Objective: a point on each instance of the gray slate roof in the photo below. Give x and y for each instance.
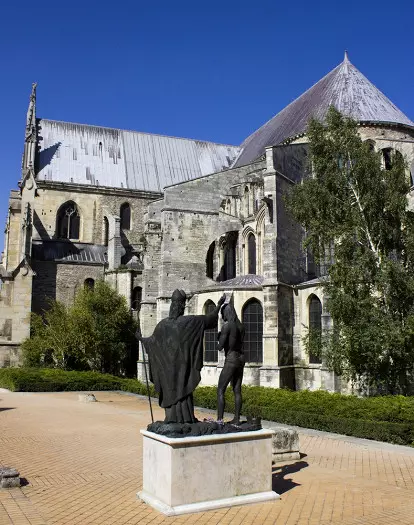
(65, 251)
(98, 156)
(346, 88)
(241, 281)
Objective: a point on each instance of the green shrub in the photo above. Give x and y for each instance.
(95, 333)
(53, 380)
(388, 418)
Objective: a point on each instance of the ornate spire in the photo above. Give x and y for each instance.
(30, 135)
(346, 59)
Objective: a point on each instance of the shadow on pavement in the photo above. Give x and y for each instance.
(279, 483)
(6, 408)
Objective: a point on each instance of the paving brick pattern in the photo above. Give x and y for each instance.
(82, 464)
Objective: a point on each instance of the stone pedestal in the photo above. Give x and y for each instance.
(285, 444)
(195, 474)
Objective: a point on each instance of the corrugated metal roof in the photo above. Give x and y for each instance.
(93, 155)
(62, 251)
(346, 88)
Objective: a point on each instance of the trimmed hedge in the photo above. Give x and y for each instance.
(387, 418)
(54, 380)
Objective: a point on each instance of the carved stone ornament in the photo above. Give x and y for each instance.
(31, 116)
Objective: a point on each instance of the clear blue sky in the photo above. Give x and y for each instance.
(212, 70)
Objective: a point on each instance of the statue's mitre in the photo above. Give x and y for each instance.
(178, 295)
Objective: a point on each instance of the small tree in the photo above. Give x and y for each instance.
(360, 210)
(96, 333)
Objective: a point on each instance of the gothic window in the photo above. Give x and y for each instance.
(125, 215)
(229, 263)
(246, 201)
(136, 299)
(251, 251)
(210, 261)
(228, 207)
(210, 337)
(388, 157)
(68, 221)
(315, 324)
(252, 318)
(105, 231)
(89, 284)
(371, 144)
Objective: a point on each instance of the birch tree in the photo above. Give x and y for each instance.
(356, 206)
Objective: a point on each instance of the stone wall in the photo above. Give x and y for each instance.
(124, 281)
(93, 203)
(60, 281)
(15, 303)
(12, 238)
(190, 221)
(290, 254)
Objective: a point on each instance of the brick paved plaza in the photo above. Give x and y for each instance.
(82, 464)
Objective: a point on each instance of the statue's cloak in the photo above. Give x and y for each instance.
(175, 355)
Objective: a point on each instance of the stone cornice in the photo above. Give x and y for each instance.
(103, 190)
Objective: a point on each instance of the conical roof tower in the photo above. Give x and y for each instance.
(346, 88)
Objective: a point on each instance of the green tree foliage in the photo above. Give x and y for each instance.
(95, 333)
(359, 209)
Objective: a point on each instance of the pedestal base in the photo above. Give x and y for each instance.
(194, 474)
(202, 506)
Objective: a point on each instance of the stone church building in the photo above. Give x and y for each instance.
(150, 213)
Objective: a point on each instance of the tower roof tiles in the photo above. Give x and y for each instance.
(346, 88)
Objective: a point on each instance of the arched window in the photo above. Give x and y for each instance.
(228, 270)
(136, 299)
(210, 261)
(246, 201)
(371, 144)
(252, 318)
(251, 253)
(315, 325)
(387, 158)
(389, 155)
(68, 221)
(210, 337)
(105, 231)
(125, 215)
(228, 206)
(89, 284)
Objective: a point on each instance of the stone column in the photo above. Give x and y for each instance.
(114, 243)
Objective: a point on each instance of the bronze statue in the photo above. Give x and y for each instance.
(231, 341)
(175, 355)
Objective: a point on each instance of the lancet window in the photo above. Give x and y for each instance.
(68, 221)
(251, 253)
(252, 318)
(210, 337)
(125, 215)
(315, 324)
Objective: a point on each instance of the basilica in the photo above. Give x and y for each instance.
(151, 213)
